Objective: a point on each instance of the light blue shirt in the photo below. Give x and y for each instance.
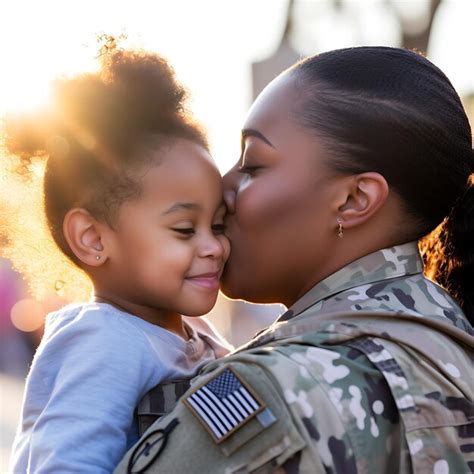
(93, 366)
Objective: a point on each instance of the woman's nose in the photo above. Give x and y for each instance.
(230, 181)
(229, 199)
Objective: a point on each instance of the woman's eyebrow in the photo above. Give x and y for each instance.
(250, 132)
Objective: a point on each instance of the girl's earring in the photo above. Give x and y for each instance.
(340, 230)
(97, 257)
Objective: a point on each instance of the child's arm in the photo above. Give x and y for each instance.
(92, 376)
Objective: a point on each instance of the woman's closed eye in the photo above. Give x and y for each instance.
(218, 229)
(249, 169)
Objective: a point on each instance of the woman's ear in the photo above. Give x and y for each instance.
(366, 194)
(83, 234)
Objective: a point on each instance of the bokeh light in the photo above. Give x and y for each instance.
(27, 315)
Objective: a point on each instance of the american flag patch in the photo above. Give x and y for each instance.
(224, 404)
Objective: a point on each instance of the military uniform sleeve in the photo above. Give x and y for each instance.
(233, 419)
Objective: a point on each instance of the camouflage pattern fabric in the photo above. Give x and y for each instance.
(370, 372)
(159, 401)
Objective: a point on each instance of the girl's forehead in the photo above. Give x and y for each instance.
(185, 174)
(179, 161)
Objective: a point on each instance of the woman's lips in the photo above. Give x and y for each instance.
(206, 280)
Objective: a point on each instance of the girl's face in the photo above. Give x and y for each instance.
(167, 249)
(282, 199)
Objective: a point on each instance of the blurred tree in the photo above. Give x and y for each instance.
(415, 30)
(415, 21)
(284, 56)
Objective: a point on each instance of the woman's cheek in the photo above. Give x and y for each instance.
(256, 204)
(268, 208)
(225, 242)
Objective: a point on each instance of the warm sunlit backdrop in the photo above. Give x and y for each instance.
(212, 45)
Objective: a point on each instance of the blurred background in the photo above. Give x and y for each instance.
(225, 52)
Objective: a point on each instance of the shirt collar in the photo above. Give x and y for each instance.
(384, 264)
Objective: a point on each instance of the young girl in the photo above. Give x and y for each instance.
(132, 197)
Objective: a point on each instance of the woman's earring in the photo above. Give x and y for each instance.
(97, 257)
(340, 230)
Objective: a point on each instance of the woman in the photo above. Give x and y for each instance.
(348, 159)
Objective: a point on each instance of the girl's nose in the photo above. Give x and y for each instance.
(212, 246)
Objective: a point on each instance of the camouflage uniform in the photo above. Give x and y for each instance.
(369, 372)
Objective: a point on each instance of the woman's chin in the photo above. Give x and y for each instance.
(236, 289)
(238, 283)
(228, 287)
(232, 286)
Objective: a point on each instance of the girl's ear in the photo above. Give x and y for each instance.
(83, 234)
(366, 194)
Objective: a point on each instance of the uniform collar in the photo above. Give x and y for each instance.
(384, 264)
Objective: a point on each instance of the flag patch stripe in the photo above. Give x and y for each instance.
(242, 401)
(224, 404)
(217, 410)
(204, 417)
(237, 406)
(223, 407)
(213, 410)
(237, 415)
(209, 418)
(249, 398)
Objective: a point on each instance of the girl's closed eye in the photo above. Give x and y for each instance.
(187, 231)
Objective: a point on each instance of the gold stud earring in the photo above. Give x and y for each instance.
(340, 230)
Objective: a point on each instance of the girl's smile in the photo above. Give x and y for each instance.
(209, 281)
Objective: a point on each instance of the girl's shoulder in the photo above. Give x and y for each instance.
(94, 334)
(96, 319)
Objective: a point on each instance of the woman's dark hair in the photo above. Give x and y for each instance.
(99, 128)
(392, 111)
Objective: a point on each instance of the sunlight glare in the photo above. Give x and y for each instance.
(39, 51)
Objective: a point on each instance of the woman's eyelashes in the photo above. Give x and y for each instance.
(250, 159)
(249, 165)
(249, 169)
(218, 229)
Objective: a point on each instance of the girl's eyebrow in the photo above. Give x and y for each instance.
(189, 206)
(192, 206)
(251, 132)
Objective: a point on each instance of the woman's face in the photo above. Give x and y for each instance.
(284, 201)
